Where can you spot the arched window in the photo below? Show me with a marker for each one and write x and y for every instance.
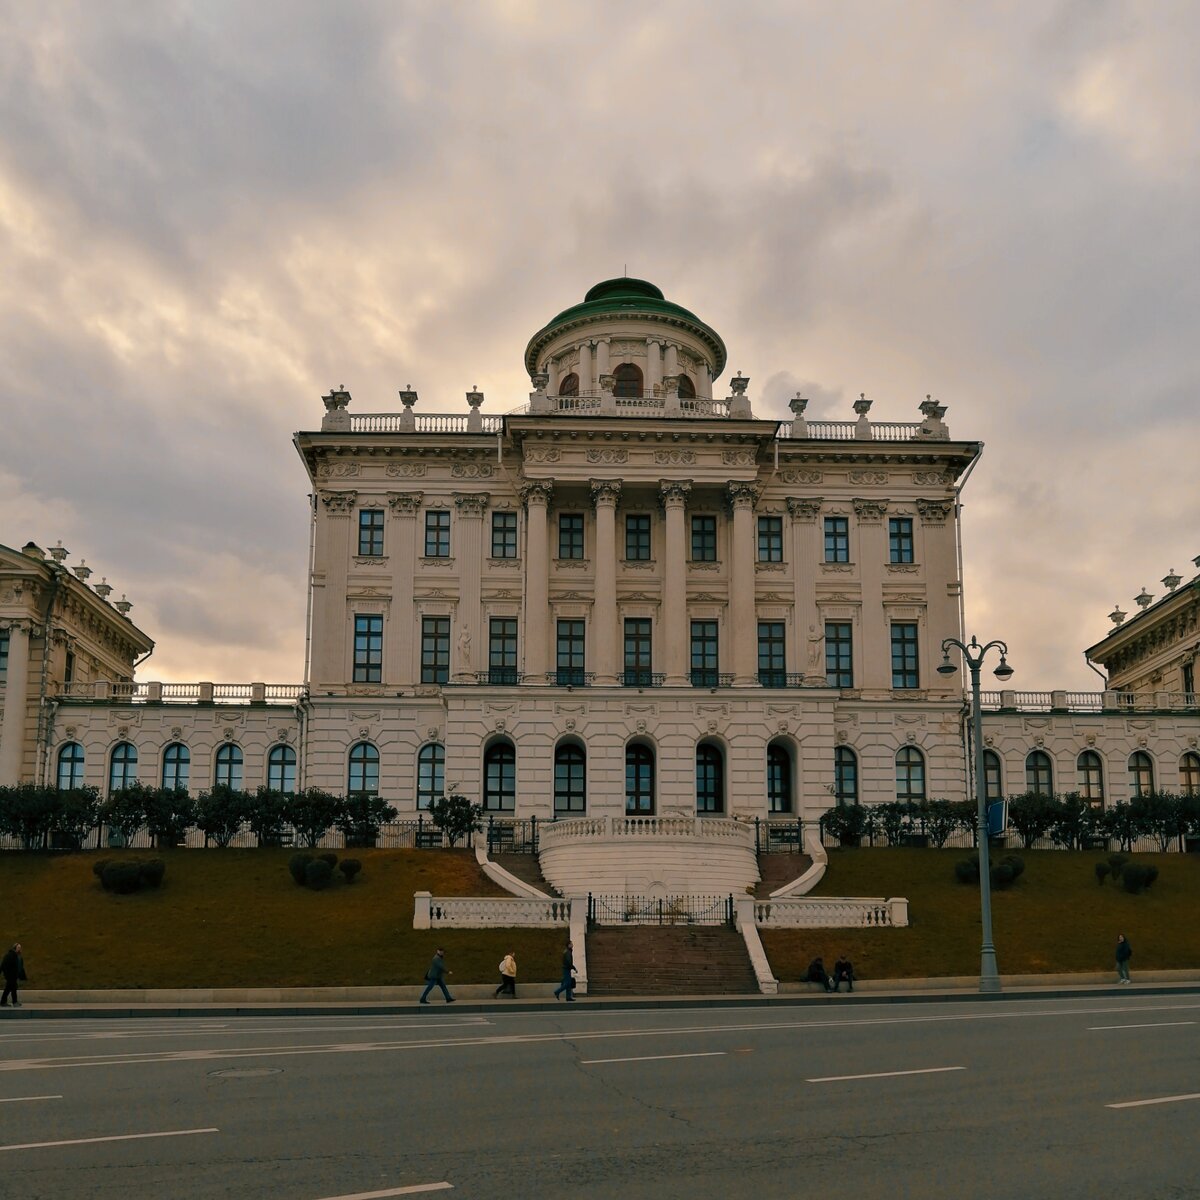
(1189, 774)
(1141, 774)
(910, 774)
(1039, 774)
(70, 766)
(363, 775)
(1091, 778)
(122, 766)
(500, 777)
(570, 782)
(627, 382)
(639, 780)
(177, 766)
(845, 775)
(229, 766)
(431, 773)
(710, 779)
(779, 778)
(568, 385)
(687, 389)
(993, 781)
(281, 769)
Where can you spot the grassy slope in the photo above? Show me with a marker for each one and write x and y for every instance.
(234, 918)
(1055, 918)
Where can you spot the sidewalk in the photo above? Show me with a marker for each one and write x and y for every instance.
(539, 997)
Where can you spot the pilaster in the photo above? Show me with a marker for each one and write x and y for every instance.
(471, 508)
(605, 494)
(536, 497)
(16, 704)
(742, 499)
(674, 608)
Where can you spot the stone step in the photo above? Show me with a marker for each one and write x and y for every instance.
(775, 870)
(668, 960)
(526, 868)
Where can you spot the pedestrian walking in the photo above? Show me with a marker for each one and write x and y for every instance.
(1124, 954)
(436, 977)
(12, 967)
(568, 976)
(508, 977)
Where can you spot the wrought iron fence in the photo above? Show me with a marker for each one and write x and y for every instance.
(512, 836)
(779, 835)
(665, 910)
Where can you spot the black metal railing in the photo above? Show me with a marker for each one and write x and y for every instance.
(638, 678)
(667, 910)
(779, 835)
(499, 676)
(571, 677)
(771, 678)
(512, 836)
(706, 677)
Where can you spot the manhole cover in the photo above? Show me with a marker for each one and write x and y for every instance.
(245, 1072)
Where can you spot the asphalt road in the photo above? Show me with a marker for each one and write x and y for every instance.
(1031, 1098)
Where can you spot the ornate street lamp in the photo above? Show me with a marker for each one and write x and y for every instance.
(973, 655)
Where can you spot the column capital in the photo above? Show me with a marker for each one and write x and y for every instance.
(743, 495)
(339, 504)
(536, 491)
(605, 491)
(934, 512)
(869, 512)
(472, 504)
(405, 504)
(674, 493)
(804, 510)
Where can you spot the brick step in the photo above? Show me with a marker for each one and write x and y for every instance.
(777, 869)
(668, 960)
(526, 868)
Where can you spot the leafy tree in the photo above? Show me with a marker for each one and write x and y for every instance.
(311, 812)
(361, 816)
(1123, 823)
(169, 813)
(456, 816)
(29, 811)
(966, 814)
(893, 818)
(1162, 815)
(125, 811)
(1031, 815)
(940, 821)
(846, 822)
(78, 812)
(220, 812)
(1073, 822)
(267, 813)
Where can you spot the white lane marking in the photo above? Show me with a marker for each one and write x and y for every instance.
(404, 1191)
(1147, 1025)
(884, 1074)
(119, 1137)
(222, 1031)
(591, 1062)
(22, 1099)
(1157, 1100)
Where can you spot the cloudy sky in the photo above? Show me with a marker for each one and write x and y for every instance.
(211, 212)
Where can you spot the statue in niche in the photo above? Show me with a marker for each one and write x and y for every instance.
(815, 640)
(464, 648)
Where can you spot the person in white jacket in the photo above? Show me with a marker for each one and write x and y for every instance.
(508, 976)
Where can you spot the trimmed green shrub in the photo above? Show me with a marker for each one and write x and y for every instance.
(327, 856)
(846, 822)
(152, 871)
(1116, 864)
(349, 867)
(1002, 875)
(317, 875)
(1016, 862)
(297, 865)
(967, 871)
(1103, 870)
(1137, 878)
(98, 867)
(124, 878)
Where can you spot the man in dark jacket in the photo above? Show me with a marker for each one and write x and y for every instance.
(436, 977)
(816, 974)
(843, 970)
(1124, 954)
(568, 971)
(12, 967)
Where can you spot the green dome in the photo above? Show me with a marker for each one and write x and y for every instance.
(626, 297)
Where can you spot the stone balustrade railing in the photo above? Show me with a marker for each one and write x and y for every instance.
(1064, 701)
(831, 912)
(848, 431)
(584, 829)
(154, 692)
(484, 912)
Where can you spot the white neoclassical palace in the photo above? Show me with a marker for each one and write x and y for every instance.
(625, 598)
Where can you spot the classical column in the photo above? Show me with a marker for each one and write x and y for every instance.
(402, 650)
(674, 607)
(742, 498)
(469, 554)
(586, 382)
(16, 704)
(536, 496)
(603, 364)
(654, 372)
(332, 626)
(876, 632)
(807, 654)
(605, 494)
(671, 366)
(553, 375)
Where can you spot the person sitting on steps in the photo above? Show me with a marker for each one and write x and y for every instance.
(818, 974)
(843, 970)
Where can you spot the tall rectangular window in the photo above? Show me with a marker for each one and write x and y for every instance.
(370, 532)
(368, 648)
(637, 652)
(772, 666)
(69, 667)
(435, 649)
(839, 654)
(437, 533)
(704, 539)
(637, 537)
(900, 539)
(502, 650)
(770, 539)
(704, 654)
(1189, 682)
(504, 535)
(904, 655)
(570, 535)
(3, 653)
(837, 539)
(569, 660)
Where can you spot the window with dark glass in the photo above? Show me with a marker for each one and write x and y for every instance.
(710, 779)
(368, 648)
(570, 788)
(910, 774)
(435, 649)
(1189, 774)
(500, 777)
(281, 769)
(992, 783)
(772, 664)
(437, 533)
(431, 773)
(227, 767)
(637, 537)
(502, 650)
(770, 539)
(568, 385)
(370, 532)
(687, 389)
(570, 535)
(69, 667)
(1091, 778)
(637, 652)
(4, 644)
(1189, 683)
(504, 535)
(177, 765)
(1141, 774)
(363, 773)
(704, 654)
(627, 382)
(837, 539)
(70, 766)
(704, 539)
(900, 539)
(639, 780)
(1039, 775)
(122, 766)
(904, 655)
(839, 654)
(845, 775)
(779, 779)
(569, 654)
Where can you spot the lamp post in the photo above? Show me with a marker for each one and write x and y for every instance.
(973, 655)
